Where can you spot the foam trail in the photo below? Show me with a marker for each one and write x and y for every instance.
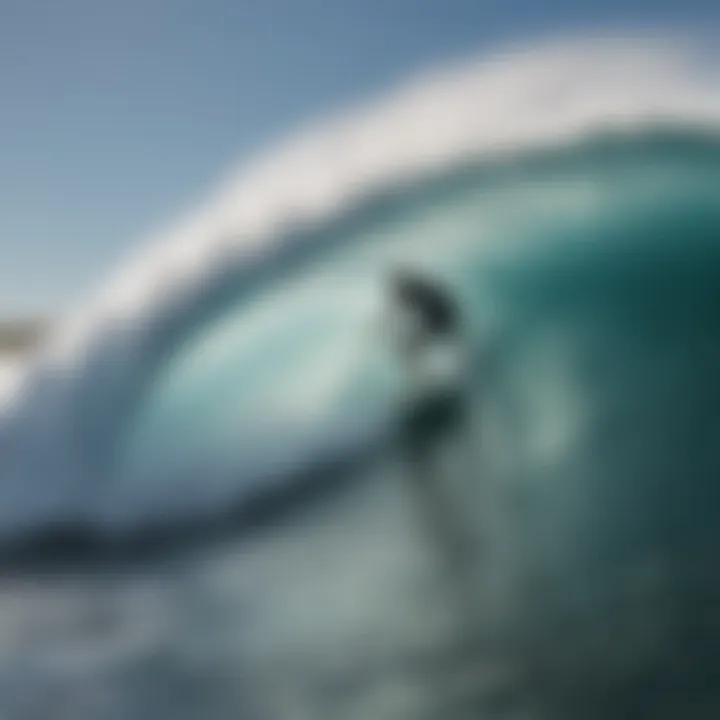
(72, 398)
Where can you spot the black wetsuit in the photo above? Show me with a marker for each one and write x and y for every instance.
(435, 309)
(435, 414)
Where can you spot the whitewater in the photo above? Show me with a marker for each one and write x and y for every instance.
(226, 357)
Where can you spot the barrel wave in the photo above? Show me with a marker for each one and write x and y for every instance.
(572, 208)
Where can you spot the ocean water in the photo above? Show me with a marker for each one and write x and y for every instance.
(217, 503)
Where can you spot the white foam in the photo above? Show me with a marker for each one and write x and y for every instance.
(11, 369)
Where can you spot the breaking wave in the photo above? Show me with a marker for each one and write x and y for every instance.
(234, 356)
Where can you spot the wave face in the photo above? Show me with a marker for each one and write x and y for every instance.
(568, 194)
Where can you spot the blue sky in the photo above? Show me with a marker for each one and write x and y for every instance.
(117, 116)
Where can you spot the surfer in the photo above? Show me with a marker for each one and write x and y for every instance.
(425, 331)
(426, 334)
(431, 309)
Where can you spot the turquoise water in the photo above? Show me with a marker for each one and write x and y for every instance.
(296, 370)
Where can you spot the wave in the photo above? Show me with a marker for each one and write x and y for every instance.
(193, 340)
